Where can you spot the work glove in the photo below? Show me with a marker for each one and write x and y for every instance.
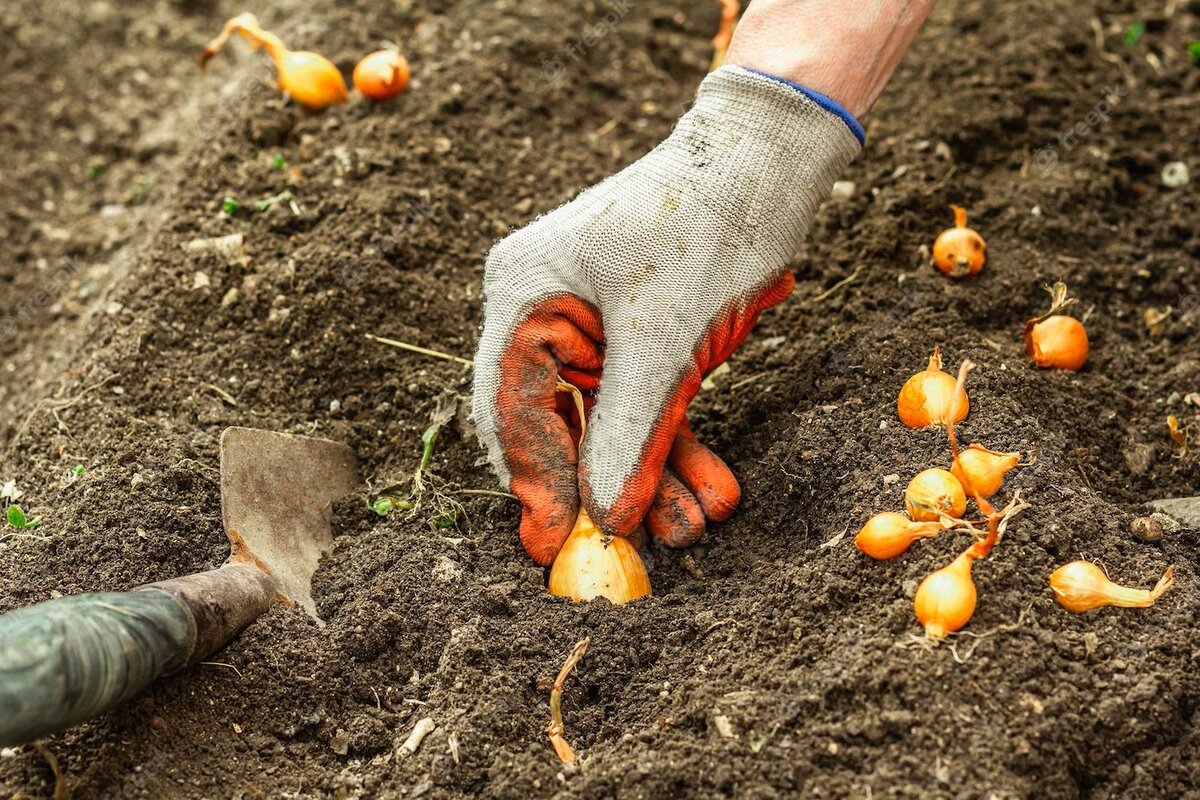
(632, 292)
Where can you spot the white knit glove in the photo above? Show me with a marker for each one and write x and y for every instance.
(648, 280)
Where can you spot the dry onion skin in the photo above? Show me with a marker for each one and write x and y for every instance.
(308, 78)
(1055, 340)
(381, 75)
(929, 397)
(888, 534)
(592, 564)
(981, 471)
(959, 252)
(933, 494)
(945, 600)
(1082, 586)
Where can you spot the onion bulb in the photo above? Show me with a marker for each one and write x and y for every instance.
(945, 600)
(591, 564)
(309, 78)
(928, 397)
(381, 75)
(981, 471)
(889, 534)
(959, 251)
(1055, 340)
(933, 493)
(1081, 586)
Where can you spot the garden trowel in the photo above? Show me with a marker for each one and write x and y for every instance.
(67, 660)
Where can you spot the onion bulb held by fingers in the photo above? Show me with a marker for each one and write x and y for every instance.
(381, 75)
(592, 565)
(309, 78)
(981, 471)
(1081, 586)
(889, 534)
(945, 600)
(959, 251)
(933, 493)
(929, 397)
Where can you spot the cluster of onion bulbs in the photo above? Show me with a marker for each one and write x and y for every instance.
(1052, 340)
(310, 78)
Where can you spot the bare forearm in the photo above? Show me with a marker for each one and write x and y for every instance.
(844, 49)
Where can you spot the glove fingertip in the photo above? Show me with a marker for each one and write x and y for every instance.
(542, 538)
(708, 477)
(675, 518)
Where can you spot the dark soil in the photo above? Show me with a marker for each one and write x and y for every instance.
(117, 152)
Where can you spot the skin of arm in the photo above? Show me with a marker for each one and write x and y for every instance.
(845, 49)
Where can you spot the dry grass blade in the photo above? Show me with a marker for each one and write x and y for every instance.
(62, 790)
(555, 730)
(415, 348)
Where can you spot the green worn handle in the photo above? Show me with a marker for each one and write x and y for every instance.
(67, 660)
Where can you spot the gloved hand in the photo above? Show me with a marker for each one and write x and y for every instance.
(632, 292)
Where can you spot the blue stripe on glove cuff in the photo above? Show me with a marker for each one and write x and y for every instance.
(825, 102)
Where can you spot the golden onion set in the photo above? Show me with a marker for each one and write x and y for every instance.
(310, 78)
(936, 499)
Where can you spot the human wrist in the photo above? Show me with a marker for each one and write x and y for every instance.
(845, 50)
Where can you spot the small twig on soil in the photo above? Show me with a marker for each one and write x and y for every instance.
(425, 351)
(489, 493)
(555, 730)
(937, 186)
(222, 664)
(606, 128)
(843, 282)
(835, 541)
(24, 536)
(62, 791)
(1008, 627)
(224, 395)
(746, 381)
(1083, 472)
(1098, 33)
(423, 728)
(718, 624)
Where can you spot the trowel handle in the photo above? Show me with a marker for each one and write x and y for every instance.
(67, 660)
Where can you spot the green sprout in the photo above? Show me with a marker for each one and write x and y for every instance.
(78, 470)
(382, 505)
(264, 204)
(93, 170)
(1134, 34)
(425, 489)
(278, 161)
(17, 519)
(386, 504)
(1193, 49)
(230, 206)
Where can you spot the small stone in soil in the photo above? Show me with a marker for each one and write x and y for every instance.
(1147, 529)
(1184, 510)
